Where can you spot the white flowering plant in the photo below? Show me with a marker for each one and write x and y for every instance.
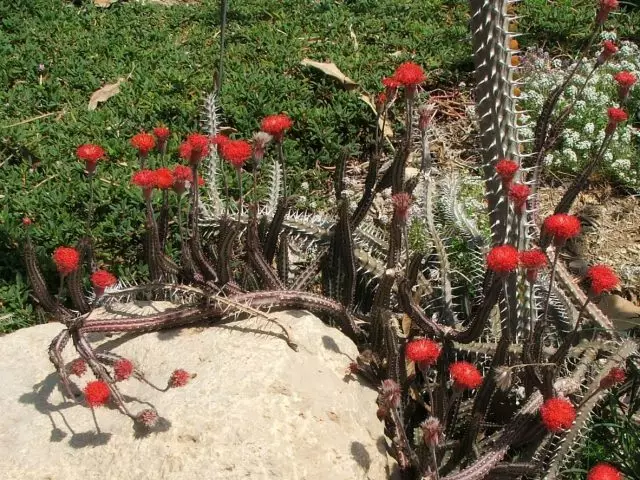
(585, 126)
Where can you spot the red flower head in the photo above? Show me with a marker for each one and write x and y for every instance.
(502, 259)
(147, 417)
(26, 221)
(604, 471)
(78, 367)
(179, 378)
(615, 376)
(122, 369)
(276, 125)
(390, 394)
(424, 352)
(164, 178)
(606, 6)
(90, 153)
(96, 393)
(409, 74)
(236, 152)
(181, 175)
(616, 116)
(432, 432)
(506, 169)
(380, 102)
(201, 182)
(144, 143)
(602, 278)
(146, 179)
(103, 279)
(562, 227)
(519, 193)
(260, 141)
(532, 261)
(625, 79)
(195, 148)
(557, 414)
(609, 49)
(401, 203)
(465, 375)
(67, 260)
(162, 133)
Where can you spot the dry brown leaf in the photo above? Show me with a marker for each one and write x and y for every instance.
(388, 132)
(352, 34)
(333, 71)
(103, 3)
(104, 93)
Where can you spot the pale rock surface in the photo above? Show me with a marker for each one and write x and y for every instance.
(256, 409)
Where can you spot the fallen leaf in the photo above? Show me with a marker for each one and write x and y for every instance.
(104, 93)
(103, 3)
(354, 38)
(332, 70)
(388, 132)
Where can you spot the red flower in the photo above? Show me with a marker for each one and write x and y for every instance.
(147, 417)
(502, 259)
(276, 125)
(562, 227)
(532, 261)
(506, 169)
(90, 153)
(122, 369)
(219, 139)
(181, 175)
(604, 471)
(606, 6)
(625, 79)
(390, 394)
(195, 148)
(465, 375)
(144, 143)
(557, 414)
(390, 83)
(78, 367)
(103, 279)
(26, 221)
(236, 152)
(380, 101)
(145, 179)
(609, 49)
(179, 378)
(162, 133)
(423, 351)
(409, 74)
(96, 393)
(67, 259)
(603, 279)
(401, 203)
(615, 376)
(164, 178)
(518, 193)
(617, 115)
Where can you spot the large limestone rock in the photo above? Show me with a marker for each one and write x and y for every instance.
(256, 408)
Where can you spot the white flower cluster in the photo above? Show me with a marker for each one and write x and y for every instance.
(584, 128)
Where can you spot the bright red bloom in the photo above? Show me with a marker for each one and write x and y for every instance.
(625, 79)
(617, 115)
(423, 351)
(78, 367)
(409, 74)
(219, 139)
(195, 148)
(380, 101)
(276, 125)
(236, 152)
(145, 179)
(606, 6)
(562, 227)
(90, 153)
(122, 369)
(506, 169)
(604, 471)
(390, 83)
(181, 175)
(67, 259)
(162, 133)
(26, 221)
(557, 414)
(103, 279)
(201, 182)
(465, 375)
(179, 378)
(144, 143)
(401, 203)
(164, 178)
(615, 376)
(610, 47)
(519, 193)
(602, 278)
(533, 259)
(96, 393)
(502, 259)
